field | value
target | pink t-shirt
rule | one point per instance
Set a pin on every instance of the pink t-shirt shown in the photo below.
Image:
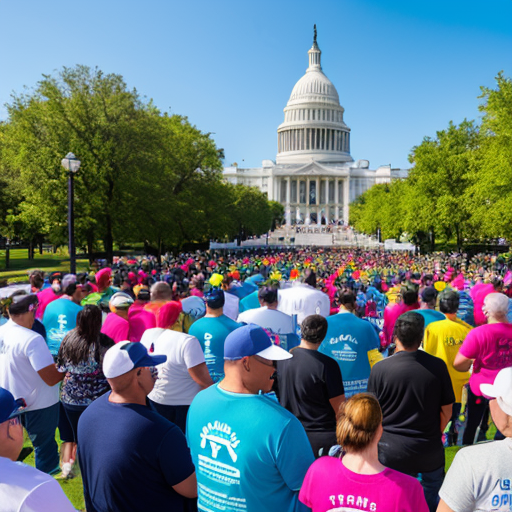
(140, 320)
(116, 327)
(491, 347)
(330, 486)
(391, 314)
(45, 297)
(478, 294)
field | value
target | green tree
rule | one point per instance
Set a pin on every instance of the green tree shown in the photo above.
(490, 195)
(137, 164)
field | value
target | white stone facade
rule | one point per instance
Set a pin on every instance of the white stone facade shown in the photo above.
(314, 175)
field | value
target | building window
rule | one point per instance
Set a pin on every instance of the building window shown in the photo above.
(283, 191)
(340, 192)
(323, 184)
(332, 184)
(312, 192)
(302, 192)
(293, 191)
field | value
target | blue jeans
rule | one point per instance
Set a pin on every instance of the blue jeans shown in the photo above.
(41, 426)
(431, 482)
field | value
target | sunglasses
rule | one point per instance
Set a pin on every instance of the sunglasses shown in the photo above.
(272, 364)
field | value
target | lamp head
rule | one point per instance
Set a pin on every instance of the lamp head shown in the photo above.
(71, 163)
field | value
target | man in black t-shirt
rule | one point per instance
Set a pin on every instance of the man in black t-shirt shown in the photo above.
(310, 386)
(416, 395)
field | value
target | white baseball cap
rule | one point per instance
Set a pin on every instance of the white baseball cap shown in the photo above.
(125, 356)
(501, 390)
(120, 300)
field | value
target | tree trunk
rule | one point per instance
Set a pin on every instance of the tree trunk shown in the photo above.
(90, 246)
(31, 250)
(109, 242)
(432, 240)
(7, 255)
(159, 249)
(40, 247)
(459, 238)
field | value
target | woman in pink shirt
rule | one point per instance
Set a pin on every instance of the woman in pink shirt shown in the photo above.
(357, 480)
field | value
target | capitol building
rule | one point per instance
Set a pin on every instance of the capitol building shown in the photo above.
(314, 175)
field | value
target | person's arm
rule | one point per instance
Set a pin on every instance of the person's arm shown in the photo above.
(201, 375)
(51, 375)
(462, 363)
(187, 487)
(446, 414)
(443, 507)
(336, 403)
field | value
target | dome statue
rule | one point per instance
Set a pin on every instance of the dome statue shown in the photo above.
(313, 127)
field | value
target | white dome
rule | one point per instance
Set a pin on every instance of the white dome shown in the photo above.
(313, 127)
(312, 87)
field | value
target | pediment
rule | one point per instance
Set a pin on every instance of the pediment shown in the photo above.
(317, 169)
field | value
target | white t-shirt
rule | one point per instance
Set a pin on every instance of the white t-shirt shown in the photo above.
(270, 319)
(303, 300)
(480, 478)
(25, 489)
(231, 306)
(174, 386)
(22, 354)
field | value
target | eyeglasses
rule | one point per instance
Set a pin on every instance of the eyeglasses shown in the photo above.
(272, 364)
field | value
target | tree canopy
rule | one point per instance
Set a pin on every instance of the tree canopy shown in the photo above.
(460, 185)
(145, 175)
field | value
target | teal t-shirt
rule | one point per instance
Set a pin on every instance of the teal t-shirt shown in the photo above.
(430, 315)
(249, 302)
(211, 333)
(348, 341)
(59, 318)
(250, 453)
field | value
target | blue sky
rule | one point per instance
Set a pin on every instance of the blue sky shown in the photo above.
(403, 69)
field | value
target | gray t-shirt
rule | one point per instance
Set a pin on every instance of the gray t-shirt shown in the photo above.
(480, 478)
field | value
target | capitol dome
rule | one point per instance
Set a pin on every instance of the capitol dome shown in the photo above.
(313, 127)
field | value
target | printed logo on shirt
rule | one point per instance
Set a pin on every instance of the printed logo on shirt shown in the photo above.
(218, 439)
(346, 354)
(343, 338)
(219, 435)
(60, 333)
(349, 502)
(501, 497)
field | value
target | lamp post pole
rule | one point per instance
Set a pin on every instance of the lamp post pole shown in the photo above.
(71, 225)
(71, 164)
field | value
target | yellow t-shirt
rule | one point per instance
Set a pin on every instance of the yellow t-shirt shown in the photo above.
(443, 339)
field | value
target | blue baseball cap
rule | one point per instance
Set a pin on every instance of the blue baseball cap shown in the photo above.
(125, 356)
(252, 340)
(9, 407)
(215, 298)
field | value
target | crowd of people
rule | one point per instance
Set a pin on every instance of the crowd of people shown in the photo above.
(261, 381)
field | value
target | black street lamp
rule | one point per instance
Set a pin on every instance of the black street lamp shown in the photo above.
(71, 163)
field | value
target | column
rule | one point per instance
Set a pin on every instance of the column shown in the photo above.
(346, 198)
(337, 199)
(307, 220)
(288, 213)
(318, 219)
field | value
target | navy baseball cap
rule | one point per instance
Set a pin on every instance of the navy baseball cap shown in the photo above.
(125, 356)
(252, 340)
(9, 407)
(215, 298)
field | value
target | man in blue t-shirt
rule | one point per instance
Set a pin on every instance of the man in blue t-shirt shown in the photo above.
(131, 458)
(251, 454)
(212, 330)
(353, 343)
(60, 315)
(428, 300)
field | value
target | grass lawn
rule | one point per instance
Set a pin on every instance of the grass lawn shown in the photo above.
(73, 488)
(20, 264)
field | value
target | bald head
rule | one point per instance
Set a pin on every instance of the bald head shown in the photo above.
(161, 291)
